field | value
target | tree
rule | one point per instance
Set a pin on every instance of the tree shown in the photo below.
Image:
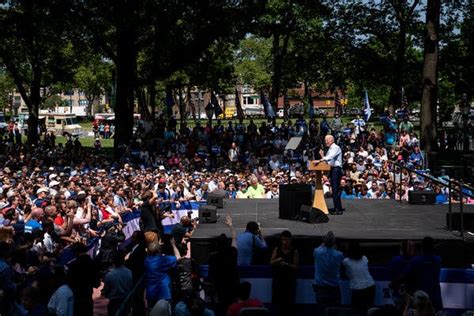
(169, 34)
(7, 86)
(34, 52)
(253, 62)
(430, 77)
(94, 78)
(381, 40)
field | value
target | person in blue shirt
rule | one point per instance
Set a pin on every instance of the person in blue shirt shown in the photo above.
(157, 278)
(441, 198)
(423, 272)
(348, 193)
(327, 273)
(248, 242)
(416, 157)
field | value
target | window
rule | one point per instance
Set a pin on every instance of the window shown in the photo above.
(83, 102)
(58, 122)
(69, 102)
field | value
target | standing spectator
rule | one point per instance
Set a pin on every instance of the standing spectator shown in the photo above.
(361, 282)
(182, 231)
(249, 243)
(149, 218)
(233, 154)
(61, 302)
(397, 265)
(406, 125)
(117, 284)
(327, 275)
(285, 260)
(7, 286)
(157, 278)
(107, 131)
(84, 275)
(136, 263)
(223, 273)
(422, 273)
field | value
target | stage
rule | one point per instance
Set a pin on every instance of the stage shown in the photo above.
(379, 224)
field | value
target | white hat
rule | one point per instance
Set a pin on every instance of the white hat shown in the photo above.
(161, 168)
(43, 189)
(53, 183)
(11, 193)
(52, 176)
(81, 193)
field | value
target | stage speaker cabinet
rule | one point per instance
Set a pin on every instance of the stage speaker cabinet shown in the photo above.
(422, 197)
(216, 198)
(207, 214)
(292, 196)
(310, 214)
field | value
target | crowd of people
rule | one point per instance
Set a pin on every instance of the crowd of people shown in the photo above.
(55, 199)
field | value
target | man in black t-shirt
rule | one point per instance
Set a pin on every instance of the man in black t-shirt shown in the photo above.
(150, 221)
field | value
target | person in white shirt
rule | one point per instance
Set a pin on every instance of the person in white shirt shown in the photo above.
(334, 158)
(359, 125)
(361, 282)
(274, 193)
(274, 163)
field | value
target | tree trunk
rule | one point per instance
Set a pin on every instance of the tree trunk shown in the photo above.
(181, 105)
(429, 96)
(33, 118)
(152, 102)
(398, 71)
(277, 71)
(126, 75)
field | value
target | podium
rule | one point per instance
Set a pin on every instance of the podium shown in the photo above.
(318, 201)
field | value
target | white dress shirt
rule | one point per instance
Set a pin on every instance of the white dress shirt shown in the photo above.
(333, 156)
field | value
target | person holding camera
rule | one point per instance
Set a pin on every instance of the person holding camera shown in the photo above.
(183, 231)
(250, 244)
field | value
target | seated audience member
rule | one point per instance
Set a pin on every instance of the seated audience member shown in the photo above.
(419, 305)
(192, 306)
(244, 300)
(255, 190)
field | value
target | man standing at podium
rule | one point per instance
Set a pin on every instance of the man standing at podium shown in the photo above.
(334, 158)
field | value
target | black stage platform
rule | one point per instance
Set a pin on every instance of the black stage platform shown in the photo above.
(379, 224)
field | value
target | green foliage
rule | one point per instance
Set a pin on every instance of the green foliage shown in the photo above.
(253, 62)
(94, 78)
(7, 86)
(53, 101)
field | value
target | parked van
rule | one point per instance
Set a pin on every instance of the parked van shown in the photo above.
(60, 123)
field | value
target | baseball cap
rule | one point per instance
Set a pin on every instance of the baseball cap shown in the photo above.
(43, 189)
(53, 183)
